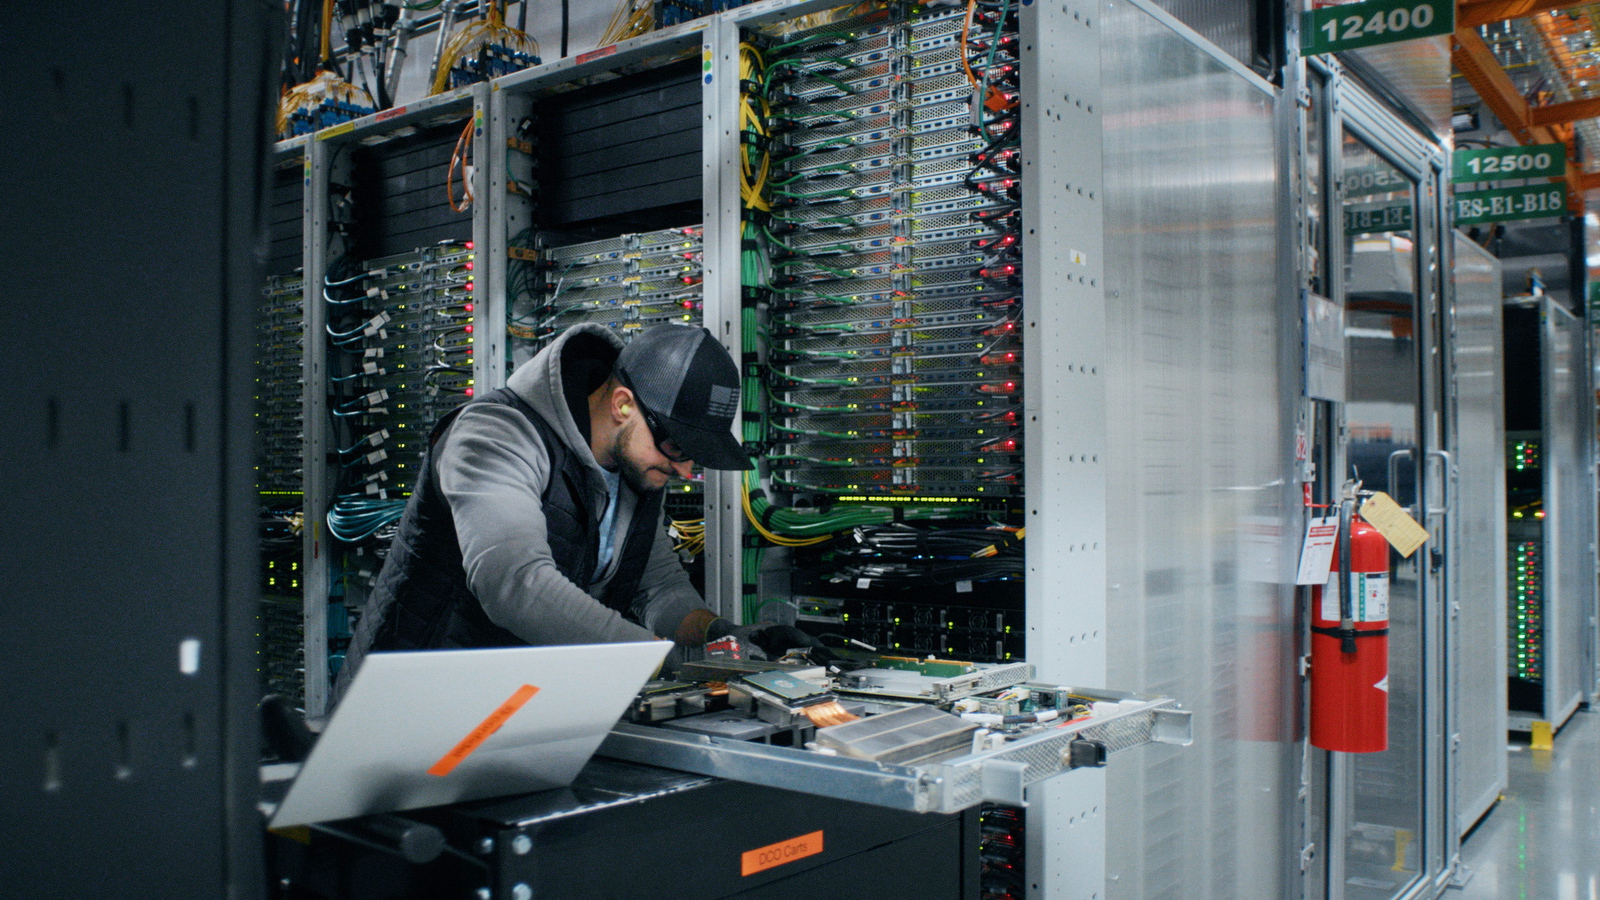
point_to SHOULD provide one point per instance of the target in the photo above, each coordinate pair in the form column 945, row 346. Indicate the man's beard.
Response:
column 635, row 475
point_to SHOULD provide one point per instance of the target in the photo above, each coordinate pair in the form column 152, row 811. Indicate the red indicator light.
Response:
column 469, row 329
column 469, row 245
column 469, row 392
column 998, row 359
column 469, row 285
column 469, row 265
column 468, row 307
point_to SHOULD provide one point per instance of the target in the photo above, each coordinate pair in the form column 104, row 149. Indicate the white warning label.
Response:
column 1371, row 603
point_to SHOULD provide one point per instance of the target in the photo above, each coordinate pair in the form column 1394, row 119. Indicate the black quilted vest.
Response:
column 422, row 601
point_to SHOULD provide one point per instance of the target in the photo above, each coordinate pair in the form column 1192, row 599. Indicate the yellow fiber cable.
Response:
column 780, row 540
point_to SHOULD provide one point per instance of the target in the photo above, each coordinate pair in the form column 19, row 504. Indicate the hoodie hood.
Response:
column 560, row 372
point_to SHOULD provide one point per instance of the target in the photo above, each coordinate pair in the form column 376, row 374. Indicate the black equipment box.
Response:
column 624, row 830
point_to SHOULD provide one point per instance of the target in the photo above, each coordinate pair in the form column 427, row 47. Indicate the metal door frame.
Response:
column 1349, row 107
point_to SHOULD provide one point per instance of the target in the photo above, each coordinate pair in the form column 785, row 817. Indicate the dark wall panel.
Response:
column 128, row 541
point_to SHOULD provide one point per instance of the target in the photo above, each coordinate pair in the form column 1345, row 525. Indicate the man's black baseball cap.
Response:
column 690, row 383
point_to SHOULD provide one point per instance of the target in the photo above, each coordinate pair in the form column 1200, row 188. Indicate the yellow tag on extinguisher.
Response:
column 1394, row 523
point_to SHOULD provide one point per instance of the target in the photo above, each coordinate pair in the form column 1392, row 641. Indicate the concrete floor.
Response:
column 1542, row 840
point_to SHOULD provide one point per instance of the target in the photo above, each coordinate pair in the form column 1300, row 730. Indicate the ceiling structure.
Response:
column 1534, row 65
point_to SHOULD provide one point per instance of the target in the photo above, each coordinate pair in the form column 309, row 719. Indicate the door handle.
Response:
column 1446, row 483
column 1394, row 475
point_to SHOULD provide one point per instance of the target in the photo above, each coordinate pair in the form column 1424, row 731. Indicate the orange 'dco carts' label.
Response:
column 774, row 855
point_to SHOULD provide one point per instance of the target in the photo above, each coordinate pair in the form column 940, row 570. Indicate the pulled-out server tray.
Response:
column 986, row 767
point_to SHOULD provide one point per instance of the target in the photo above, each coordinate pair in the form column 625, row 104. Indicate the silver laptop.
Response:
column 432, row 727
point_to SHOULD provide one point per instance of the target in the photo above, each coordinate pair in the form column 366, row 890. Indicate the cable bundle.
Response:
column 690, row 536
column 631, row 19
column 483, row 50
column 905, row 556
column 327, row 98
column 352, row 520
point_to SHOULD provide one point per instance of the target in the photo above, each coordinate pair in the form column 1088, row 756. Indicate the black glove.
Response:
column 771, row 639
column 744, row 634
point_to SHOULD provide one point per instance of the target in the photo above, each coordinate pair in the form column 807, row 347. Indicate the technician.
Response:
column 537, row 519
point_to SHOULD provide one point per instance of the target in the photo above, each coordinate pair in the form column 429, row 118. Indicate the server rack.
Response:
column 280, row 427
column 1550, row 525
column 392, row 294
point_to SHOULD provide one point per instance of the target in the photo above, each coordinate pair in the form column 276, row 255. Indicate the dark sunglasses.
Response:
column 668, row 447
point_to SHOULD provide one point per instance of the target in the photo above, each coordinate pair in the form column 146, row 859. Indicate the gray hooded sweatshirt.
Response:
column 493, row 469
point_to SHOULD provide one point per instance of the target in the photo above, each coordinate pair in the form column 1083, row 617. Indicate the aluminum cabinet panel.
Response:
column 1569, row 510
column 1477, row 660
column 1200, row 495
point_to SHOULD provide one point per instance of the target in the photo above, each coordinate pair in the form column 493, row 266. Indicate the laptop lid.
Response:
column 440, row 726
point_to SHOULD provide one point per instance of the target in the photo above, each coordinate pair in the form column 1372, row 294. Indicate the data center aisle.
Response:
column 1542, row 840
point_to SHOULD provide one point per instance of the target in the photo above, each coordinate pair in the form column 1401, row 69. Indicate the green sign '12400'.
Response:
column 1372, row 22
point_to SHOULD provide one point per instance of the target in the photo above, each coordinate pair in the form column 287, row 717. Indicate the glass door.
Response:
column 1380, row 801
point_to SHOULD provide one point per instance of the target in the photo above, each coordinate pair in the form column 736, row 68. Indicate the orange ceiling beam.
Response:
column 1472, row 13
column 1476, row 63
column 1561, row 113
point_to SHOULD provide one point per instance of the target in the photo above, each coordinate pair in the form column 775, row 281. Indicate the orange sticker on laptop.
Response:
column 774, row 855
column 487, row 727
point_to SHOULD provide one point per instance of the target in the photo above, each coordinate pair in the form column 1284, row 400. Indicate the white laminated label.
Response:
column 963, row 587
column 863, row 583
column 1316, row 553
column 1371, row 603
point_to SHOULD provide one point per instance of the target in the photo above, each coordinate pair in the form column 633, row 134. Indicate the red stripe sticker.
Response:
column 582, row 58
column 487, row 727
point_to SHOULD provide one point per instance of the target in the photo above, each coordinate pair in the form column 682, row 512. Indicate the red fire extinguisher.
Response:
column 1350, row 644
